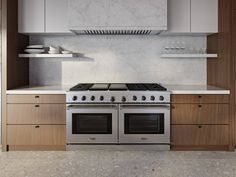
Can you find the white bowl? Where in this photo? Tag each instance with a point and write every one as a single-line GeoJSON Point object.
{"type": "Point", "coordinates": [35, 47]}
{"type": "Point", "coordinates": [66, 52]}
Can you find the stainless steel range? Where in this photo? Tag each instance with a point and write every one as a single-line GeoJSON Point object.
{"type": "Point", "coordinates": [118, 114]}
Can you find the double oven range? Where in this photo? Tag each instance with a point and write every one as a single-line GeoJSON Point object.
{"type": "Point", "coordinates": [118, 114]}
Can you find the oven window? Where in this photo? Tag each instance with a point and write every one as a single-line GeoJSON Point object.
{"type": "Point", "coordinates": [91, 123]}
{"type": "Point", "coordinates": [144, 123]}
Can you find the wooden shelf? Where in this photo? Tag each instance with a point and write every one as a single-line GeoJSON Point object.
{"type": "Point", "coordinates": [189, 56]}
{"type": "Point", "coordinates": [47, 55]}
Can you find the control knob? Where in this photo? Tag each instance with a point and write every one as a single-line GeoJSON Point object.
{"type": "Point", "coordinates": [101, 98]}
{"type": "Point", "coordinates": [74, 98]}
{"type": "Point", "coordinates": [123, 99]}
{"type": "Point", "coordinates": [135, 98]}
{"type": "Point", "coordinates": [112, 99]}
{"type": "Point", "coordinates": [152, 98]}
{"type": "Point", "coordinates": [92, 98]}
{"type": "Point", "coordinates": [83, 98]}
{"type": "Point", "coordinates": [143, 98]}
{"type": "Point", "coordinates": [161, 98]}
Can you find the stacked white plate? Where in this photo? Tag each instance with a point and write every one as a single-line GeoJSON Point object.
{"type": "Point", "coordinates": [35, 49]}
{"type": "Point", "coordinates": [53, 50]}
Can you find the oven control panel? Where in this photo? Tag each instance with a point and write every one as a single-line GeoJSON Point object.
{"type": "Point", "coordinates": [118, 97]}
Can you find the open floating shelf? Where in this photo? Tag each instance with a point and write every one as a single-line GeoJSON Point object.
{"type": "Point", "coordinates": [48, 55]}
{"type": "Point", "coordinates": [189, 56]}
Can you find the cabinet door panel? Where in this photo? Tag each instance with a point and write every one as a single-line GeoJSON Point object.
{"type": "Point", "coordinates": [36, 99]}
{"type": "Point", "coordinates": [204, 16]}
{"type": "Point", "coordinates": [200, 99]}
{"type": "Point", "coordinates": [32, 135]}
{"type": "Point", "coordinates": [213, 114]}
{"type": "Point", "coordinates": [22, 114]}
{"type": "Point", "coordinates": [57, 16]}
{"type": "Point", "coordinates": [52, 114]}
{"type": "Point", "coordinates": [214, 135]}
{"type": "Point", "coordinates": [36, 114]}
{"type": "Point", "coordinates": [31, 16]}
{"type": "Point", "coordinates": [184, 135]}
{"type": "Point", "coordinates": [200, 114]}
{"type": "Point", "coordinates": [184, 114]}
{"type": "Point", "coordinates": [179, 16]}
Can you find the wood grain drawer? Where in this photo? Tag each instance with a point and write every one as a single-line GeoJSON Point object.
{"type": "Point", "coordinates": [200, 99]}
{"type": "Point", "coordinates": [200, 114]}
{"type": "Point", "coordinates": [36, 113]}
{"type": "Point", "coordinates": [36, 99]}
{"type": "Point", "coordinates": [31, 135]}
{"type": "Point", "coordinates": [200, 134]}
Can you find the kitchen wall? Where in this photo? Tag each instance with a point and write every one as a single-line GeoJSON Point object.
{"type": "Point", "coordinates": [118, 59]}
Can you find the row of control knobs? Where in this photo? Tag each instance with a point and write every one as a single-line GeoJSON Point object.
{"type": "Point", "coordinates": [123, 99]}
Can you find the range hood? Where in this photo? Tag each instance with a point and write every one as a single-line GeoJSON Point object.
{"type": "Point", "coordinates": [117, 17]}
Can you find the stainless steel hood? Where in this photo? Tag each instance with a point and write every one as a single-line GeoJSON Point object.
{"type": "Point", "coordinates": [118, 17]}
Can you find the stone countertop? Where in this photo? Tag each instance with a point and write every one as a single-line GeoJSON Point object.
{"type": "Point", "coordinates": [174, 89]}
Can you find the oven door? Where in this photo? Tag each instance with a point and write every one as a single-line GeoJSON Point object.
{"type": "Point", "coordinates": [92, 124]}
{"type": "Point", "coordinates": [144, 124]}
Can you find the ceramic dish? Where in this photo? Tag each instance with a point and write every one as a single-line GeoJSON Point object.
{"type": "Point", "coordinates": [34, 51]}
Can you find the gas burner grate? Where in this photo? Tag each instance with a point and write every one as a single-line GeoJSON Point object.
{"type": "Point", "coordinates": [81, 87]}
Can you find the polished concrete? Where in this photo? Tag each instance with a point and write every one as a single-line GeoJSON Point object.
{"type": "Point", "coordinates": [110, 163]}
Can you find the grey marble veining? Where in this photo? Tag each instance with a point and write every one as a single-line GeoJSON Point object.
{"type": "Point", "coordinates": [118, 59]}
{"type": "Point", "coordinates": [110, 163]}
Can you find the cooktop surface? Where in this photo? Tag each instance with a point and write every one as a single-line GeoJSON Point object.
{"type": "Point", "coordinates": [119, 87]}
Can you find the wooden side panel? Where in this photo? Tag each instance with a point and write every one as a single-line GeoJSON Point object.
{"type": "Point", "coordinates": [200, 114]}
{"type": "Point", "coordinates": [200, 99]}
{"type": "Point", "coordinates": [36, 114]}
{"type": "Point", "coordinates": [31, 135]}
{"type": "Point", "coordinates": [36, 99]}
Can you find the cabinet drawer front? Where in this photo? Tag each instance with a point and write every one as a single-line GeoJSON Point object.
{"type": "Point", "coordinates": [184, 135]}
{"type": "Point", "coordinates": [200, 114]}
{"type": "Point", "coordinates": [36, 135]}
{"type": "Point", "coordinates": [200, 134]}
{"type": "Point", "coordinates": [52, 114]}
{"type": "Point", "coordinates": [22, 114]}
{"type": "Point", "coordinates": [36, 99]}
{"type": "Point", "coordinates": [36, 114]}
{"type": "Point", "coordinates": [200, 99]}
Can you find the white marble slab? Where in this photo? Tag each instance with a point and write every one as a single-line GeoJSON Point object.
{"type": "Point", "coordinates": [174, 89]}
{"type": "Point", "coordinates": [196, 89]}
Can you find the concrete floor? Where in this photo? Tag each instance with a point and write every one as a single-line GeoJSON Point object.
{"type": "Point", "coordinates": [99, 163]}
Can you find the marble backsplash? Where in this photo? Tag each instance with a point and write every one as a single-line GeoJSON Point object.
{"type": "Point", "coordinates": [117, 59]}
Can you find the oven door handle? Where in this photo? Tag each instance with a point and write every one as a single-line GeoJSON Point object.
{"type": "Point", "coordinates": [100, 106]}
{"type": "Point", "coordinates": [159, 106]}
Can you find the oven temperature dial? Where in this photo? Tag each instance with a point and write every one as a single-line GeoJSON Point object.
{"type": "Point", "coordinates": [74, 98]}
{"type": "Point", "coordinates": [112, 99]}
{"type": "Point", "coordinates": [92, 98]}
{"type": "Point", "coordinates": [83, 98]}
{"type": "Point", "coordinates": [161, 98]}
{"type": "Point", "coordinates": [143, 98]}
{"type": "Point", "coordinates": [135, 98]}
{"type": "Point", "coordinates": [123, 99]}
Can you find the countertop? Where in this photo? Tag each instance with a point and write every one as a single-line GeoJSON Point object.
{"type": "Point", "coordinates": [174, 89]}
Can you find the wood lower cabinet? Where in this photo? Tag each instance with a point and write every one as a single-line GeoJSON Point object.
{"type": "Point", "coordinates": [36, 135]}
{"type": "Point", "coordinates": [36, 122]}
{"type": "Point", "coordinates": [200, 135]}
{"type": "Point", "coordinates": [36, 113]}
{"type": "Point", "coordinates": [200, 122]}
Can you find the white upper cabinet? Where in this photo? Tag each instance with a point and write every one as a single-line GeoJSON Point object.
{"type": "Point", "coordinates": [57, 16]}
{"type": "Point", "coordinates": [193, 16]}
{"type": "Point", "coordinates": [31, 16]}
{"type": "Point", "coordinates": [204, 16]}
{"type": "Point", "coordinates": [179, 16]}
{"type": "Point", "coordinates": [43, 16]}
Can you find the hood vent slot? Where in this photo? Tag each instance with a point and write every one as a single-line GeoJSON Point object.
{"type": "Point", "coordinates": [117, 32]}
